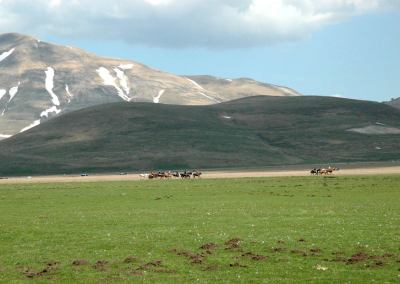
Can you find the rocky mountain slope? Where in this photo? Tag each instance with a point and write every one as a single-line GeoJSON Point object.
{"type": "Point", "coordinates": [251, 132]}
{"type": "Point", "coordinates": [39, 80]}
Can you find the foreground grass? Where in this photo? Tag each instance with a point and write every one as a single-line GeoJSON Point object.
{"type": "Point", "coordinates": [307, 228]}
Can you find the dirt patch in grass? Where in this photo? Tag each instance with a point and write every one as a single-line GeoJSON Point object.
{"type": "Point", "coordinates": [278, 249]}
{"type": "Point", "coordinates": [50, 266]}
{"type": "Point", "coordinates": [254, 256]}
{"type": "Point", "coordinates": [101, 265]}
{"type": "Point", "coordinates": [209, 246]}
{"type": "Point", "coordinates": [194, 258]}
{"type": "Point", "coordinates": [233, 244]}
{"type": "Point", "coordinates": [357, 258]}
{"type": "Point", "coordinates": [299, 252]}
{"type": "Point", "coordinates": [130, 259]}
{"type": "Point", "coordinates": [376, 264]}
{"type": "Point", "coordinates": [339, 258]}
{"type": "Point", "coordinates": [315, 251]}
{"type": "Point", "coordinates": [150, 265]}
{"type": "Point", "coordinates": [237, 265]}
{"type": "Point", "coordinates": [80, 262]}
{"type": "Point", "coordinates": [211, 267]}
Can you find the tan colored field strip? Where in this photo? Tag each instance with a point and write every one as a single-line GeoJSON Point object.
{"type": "Point", "coordinates": [207, 175]}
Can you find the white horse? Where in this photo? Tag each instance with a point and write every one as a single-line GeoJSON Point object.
{"type": "Point", "coordinates": [144, 176]}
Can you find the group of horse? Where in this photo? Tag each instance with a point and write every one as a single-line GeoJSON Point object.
{"type": "Point", "coordinates": [323, 171]}
{"type": "Point", "coordinates": [170, 175]}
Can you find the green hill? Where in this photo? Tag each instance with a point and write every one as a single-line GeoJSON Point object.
{"type": "Point", "coordinates": [251, 132]}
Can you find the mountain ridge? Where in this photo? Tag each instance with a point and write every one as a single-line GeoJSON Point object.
{"type": "Point", "coordinates": [39, 80]}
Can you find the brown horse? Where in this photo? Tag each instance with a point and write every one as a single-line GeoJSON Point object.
{"type": "Point", "coordinates": [185, 175]}
{"type": "Point", "coordinates": [153, 175]}
{"type": "Point", "coordinates": [330, 170]}
{"type": "Point", "coordinates": [197, 174]}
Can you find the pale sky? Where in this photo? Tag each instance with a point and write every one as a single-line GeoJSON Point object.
{"type": "Point", "coordinates": [346, 48]}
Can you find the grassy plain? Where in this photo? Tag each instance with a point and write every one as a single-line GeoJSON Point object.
{"type": "Point", "coordinates": [281, 230]}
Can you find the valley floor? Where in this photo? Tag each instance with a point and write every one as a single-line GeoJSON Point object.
{"type": "Point", "coordinates": [372, 170]}
{"type": "Point", "coordinates": [330, 229]}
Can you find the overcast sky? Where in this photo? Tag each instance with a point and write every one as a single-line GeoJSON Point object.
{"type": "Point", "coordinates": [344, 48]}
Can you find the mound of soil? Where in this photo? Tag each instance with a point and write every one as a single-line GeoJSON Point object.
{"type": "Point", "coordinates": [150, 265]}
{"type": "Point", "coordinates": [254, 256]}
{"type": "Point", "coordinates": [130, 259]}
{"type": "Point", "coordinates": [79, 262]}
{"type": "Point", "coordinates": [50, 266]}
{"type": "Point", "coordinates": [209, 246]}
{"type": "Point", "coordinates": [358, 257]}
{"type": "Point", "coordinates": [101, 265]}
{"type": "Point", "coordinates": [233, 243]}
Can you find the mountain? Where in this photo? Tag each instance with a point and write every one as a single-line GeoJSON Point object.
{"type": "Point", "coordinates": [39, 80]}
{"type": "Point", "coordinates": [394, 103]}
{"type": "Point", "coordinates": [252, 132]}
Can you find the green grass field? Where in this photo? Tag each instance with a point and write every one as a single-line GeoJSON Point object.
{"type": "Point", "coordinates": [308, 229]}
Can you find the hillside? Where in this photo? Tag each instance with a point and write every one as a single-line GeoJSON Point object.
{"type": "Point", "coordinates": [394, 103]}
{"type": "Point", "coordinates": [251, 132]}
{"type": "Point", "coordinates": [39, 80]}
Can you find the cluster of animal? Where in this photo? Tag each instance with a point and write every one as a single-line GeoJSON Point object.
{"type": "Point", "coordinates": [323, 171]}
{"type": "Point", "coordinates": [169, 175]}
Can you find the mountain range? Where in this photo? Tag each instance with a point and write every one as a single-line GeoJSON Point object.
{"type": "Point", "coordinates": [39, 80]}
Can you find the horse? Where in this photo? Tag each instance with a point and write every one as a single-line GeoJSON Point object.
{"type": "Point", "coordinates": [144, 176]}
{"type": "Point", "coordinates": [175, 174]}
{"type": "Point", "coordinates": [185, 175]}
{"type": "Point", "coordinates": [331, 170]}
{"type": "Point", "coordinates": [152, 176]}
{"type": "Point", "coordinates": [165, 175]}
{"type": "Point", "coordinates": [323, 171]}
{"type": "Point", "coordinates": [314, 172]}
{"type": "Point", "coordinates": [197, 174]}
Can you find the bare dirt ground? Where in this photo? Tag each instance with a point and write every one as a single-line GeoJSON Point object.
{"type": "Point", "coordinates": [206, 175]}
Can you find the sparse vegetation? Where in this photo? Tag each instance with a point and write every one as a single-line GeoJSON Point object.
{"type": "Point", "coordinates": [275, 230]}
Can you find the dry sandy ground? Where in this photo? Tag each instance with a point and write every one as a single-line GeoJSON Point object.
{"type": "Point", "coordinates": [207, 175]}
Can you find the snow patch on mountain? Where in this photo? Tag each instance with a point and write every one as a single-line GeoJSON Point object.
{"type": "Point", "coordinates": [156, 99]}
{"type": "Point", "coordinates": [2, 93]}
{"type": "Point", "coordinates": [34, 124]}
{"type": "Point", "coordinates": [195, 84]}
{"type": "Point", "coordinates": [376, 130]}
{"type": "Point", "coordinates": [109, 80]}
{"type": "Point", "coordinates": [12, 93]}
{"type": "Point", "coordinates": [50, 85]}
{"type": "Point", "coordinates": [288, 91]}
{"type": "Point", "coordinates": [4, 136]}
{"type": "Point", "coordinates": [126, 66]}
{"type": "Point", "coordinates": [6, 54]}
{"type": "Point", "coordinates": [46, 112]}
{"type": "Point", "coordinates": [70, 96]}
{"type": "Point", "coordinates": [123, 80]}
{"type": "Point", "coordinates": [210, 98]}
